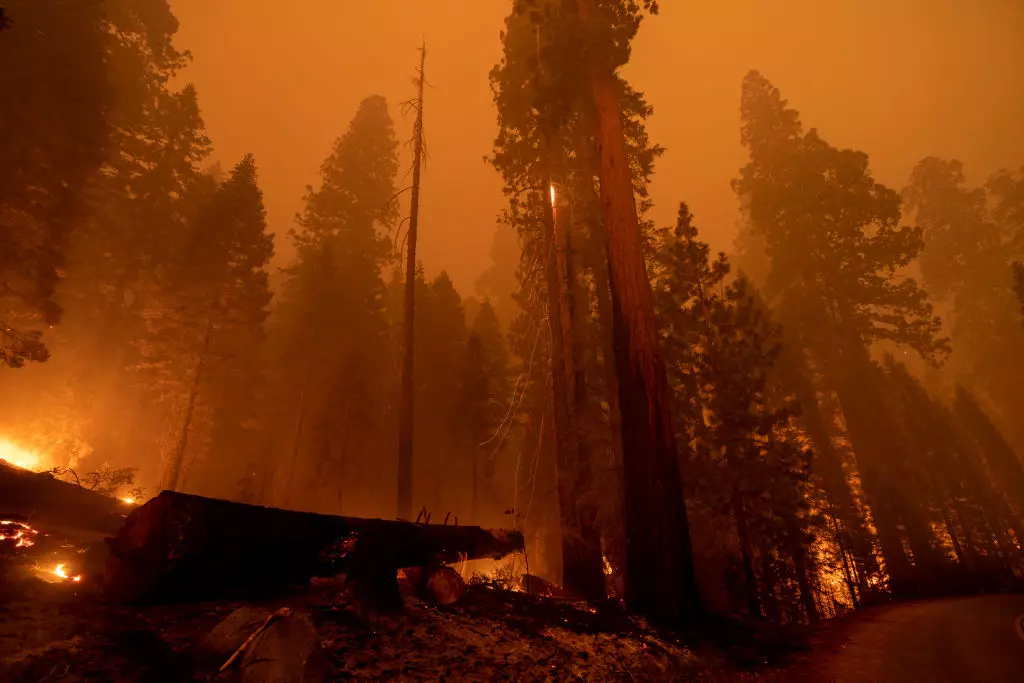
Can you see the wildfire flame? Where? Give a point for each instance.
(21, 534)
(552, 195)
(128, 501)
(62, 572)
(19, 457)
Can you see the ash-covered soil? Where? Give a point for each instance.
(64, 632)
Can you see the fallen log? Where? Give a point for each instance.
(47, 502)
(179, 546)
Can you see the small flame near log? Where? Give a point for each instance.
(22, 534)
(62, 572)
(57, 574)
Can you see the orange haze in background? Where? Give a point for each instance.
(898, 79)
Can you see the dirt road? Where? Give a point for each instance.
(962, 640)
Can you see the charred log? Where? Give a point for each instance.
(180, 546)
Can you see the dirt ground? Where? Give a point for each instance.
(62, 631)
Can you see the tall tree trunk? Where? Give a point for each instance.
(297, 439)
(474, 506)
(739, 515)
(802, 565)
(574, 573)
(178, 457)
(850, 527)
(660, 580)
(856, 585)
(746, 547)
(595, 260)
(407, 400)
(587, 575)
(770, 598)
(958, 550)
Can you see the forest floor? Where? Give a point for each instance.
(65, 632)
(62, 631)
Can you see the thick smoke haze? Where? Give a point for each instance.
(727, 325)
(899, 80)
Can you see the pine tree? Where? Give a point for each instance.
(232, 238)
(52, 135)
(498, 283)
(205, 325)
(487, 394)
(1008, 190)
(1003, 464)
(720, 348)
(837, 250)
(120, 221)
(440, 470)
(954, 483)
(333, 320)
(968, 262)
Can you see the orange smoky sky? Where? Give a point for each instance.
(898, 79)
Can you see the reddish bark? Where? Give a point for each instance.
(584, 574)
(659, 565)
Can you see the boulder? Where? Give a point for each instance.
(287, 652)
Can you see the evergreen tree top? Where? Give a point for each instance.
(832, 231)
(357, 190)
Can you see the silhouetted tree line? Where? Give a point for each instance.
(790, 432)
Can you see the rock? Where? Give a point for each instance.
(287, 652)
(220, 643)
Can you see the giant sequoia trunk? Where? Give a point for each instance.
(595, 261)
(660, 579)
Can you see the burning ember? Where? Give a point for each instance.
(19, 534)
(62, 572)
